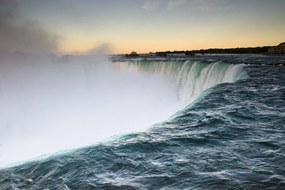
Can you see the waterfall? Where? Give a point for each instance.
(192, 77)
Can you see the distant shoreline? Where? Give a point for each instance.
(248, 50)
(267, 50)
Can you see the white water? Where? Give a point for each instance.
(192, 78)
(54, 104)
(51, 104)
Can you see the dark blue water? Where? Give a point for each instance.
(233, 138)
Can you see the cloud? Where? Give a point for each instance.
(165, 4)
(171, 4)
(210, 5)
(151, 5)
(21, 35)
(203, 5)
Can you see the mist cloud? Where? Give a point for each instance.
(103, 48)
(21, 35)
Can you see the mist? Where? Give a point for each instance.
(50, 104)
(26, 36)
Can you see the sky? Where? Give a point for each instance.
(122, 26)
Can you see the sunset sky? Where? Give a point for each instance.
(122, 26)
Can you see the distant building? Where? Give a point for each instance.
(280, 49)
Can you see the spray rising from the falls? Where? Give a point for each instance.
(49, 104)
(191, 77)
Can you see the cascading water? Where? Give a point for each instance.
(231, 137)
(191, 77)
(83, 98)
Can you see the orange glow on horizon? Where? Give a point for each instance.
(77, 48)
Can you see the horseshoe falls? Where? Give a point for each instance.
(191, 77)
(83, 122)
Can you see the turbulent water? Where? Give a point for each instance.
(229, 136)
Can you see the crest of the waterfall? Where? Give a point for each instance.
(191, 77)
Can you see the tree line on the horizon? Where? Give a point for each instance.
(248, 50)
